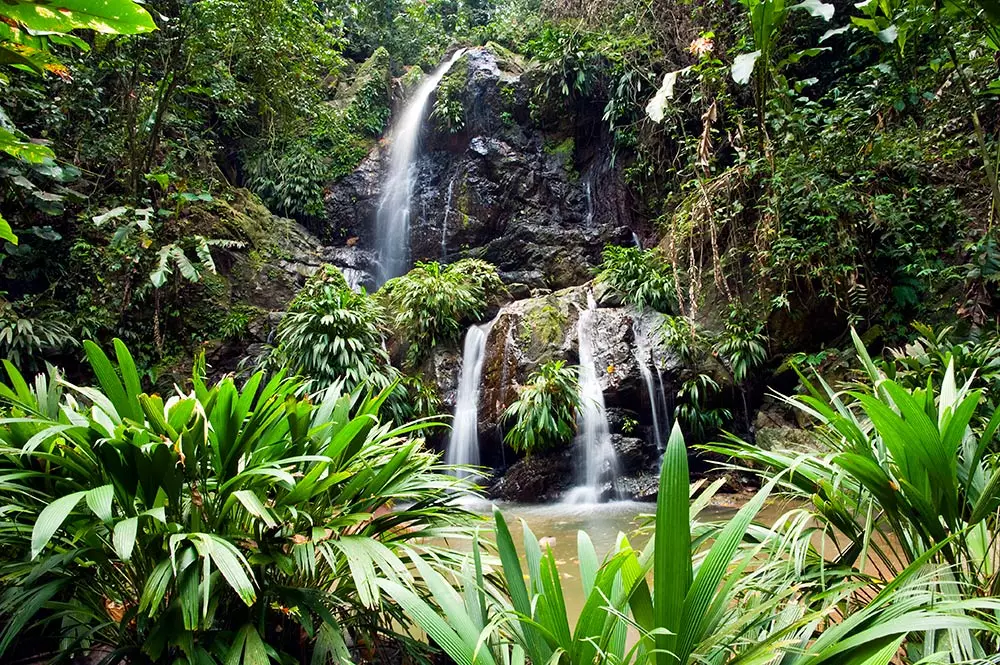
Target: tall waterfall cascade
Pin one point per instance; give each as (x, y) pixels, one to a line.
(393, 215)
(596, 455)
(463, 445)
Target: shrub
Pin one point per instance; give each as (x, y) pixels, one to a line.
(544, 414)
(29, 332)
(642, 277)
(431, 304)
(909, 457)
(330, 334)
(225, 524)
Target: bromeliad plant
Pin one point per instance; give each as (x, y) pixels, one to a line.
(229, 523)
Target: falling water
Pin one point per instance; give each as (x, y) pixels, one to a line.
(393, 216)
(636, 240)
(590, 205)
(447, 213)
(354, 278)
(594, 438)
(666, 409)
(644, 358)
(463, 446)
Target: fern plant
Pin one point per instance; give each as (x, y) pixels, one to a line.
(544, 414)
(642, 277)
(433, 303)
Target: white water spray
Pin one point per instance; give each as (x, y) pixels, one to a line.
(597, 456)
(393, 216)
(463, 445)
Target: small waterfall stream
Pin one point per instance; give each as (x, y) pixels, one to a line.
(597, 456)
(393, 216)
(463, 445)
(644, 358)
(447, 214)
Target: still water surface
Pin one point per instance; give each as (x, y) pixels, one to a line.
(559, 523)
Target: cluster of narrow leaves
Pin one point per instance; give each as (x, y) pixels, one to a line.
(432, 303)
(225, 524)
(544, 414)
(642, 277)
(726, 593)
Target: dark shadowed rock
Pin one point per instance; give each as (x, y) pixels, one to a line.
(535, 479)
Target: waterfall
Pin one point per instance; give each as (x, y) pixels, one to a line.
(636, 240)
(590, 205)
(393, 216)
(463, 445)
(644, 358)
(447, 213)
(597, 456)
(353, 277)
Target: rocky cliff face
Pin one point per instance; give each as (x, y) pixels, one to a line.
(539, 200)
(534, 330)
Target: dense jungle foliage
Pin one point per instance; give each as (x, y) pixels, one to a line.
(818, 184)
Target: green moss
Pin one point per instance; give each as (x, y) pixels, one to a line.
(449, 100)
(411, 78)
(563, 151)
(369, 109)
(544, 324)
(507, 60)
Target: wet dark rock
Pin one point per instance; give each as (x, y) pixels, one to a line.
(622, 421)
(642, 487)
(631, 453)
(442, 370)
(535, 479)
(535, 202)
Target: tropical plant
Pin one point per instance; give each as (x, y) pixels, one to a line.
(544, 414)
(725, 593)
(431, 304)
(229, 523)
(974, 360)
(642, 277)
(26, 34)
(767, 17)
(29, 332)
(900, 477)
(330, 334)
(698, 390)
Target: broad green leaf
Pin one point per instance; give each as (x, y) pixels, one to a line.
(105, 16)
(7, 233)
(51, 519)
(123, 537)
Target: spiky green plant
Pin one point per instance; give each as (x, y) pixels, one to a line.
(222, 524)
(432, 304)
(642, 277)
(724, 593)
(899, 477)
